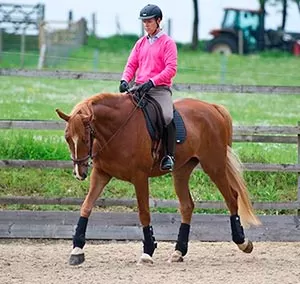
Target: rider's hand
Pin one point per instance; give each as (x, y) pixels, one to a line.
(124, 86)
(145, 88)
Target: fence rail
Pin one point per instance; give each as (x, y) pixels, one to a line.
(207, 88)
(126, 226)
(251, 167)
(241, 133)
(132, 203)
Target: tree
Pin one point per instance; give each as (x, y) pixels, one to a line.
(195, 38)
(284, 14)
(284, 4)
(261, 40)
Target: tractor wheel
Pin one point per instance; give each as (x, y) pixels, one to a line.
(222, 44)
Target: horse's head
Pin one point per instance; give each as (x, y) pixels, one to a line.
(79, 136)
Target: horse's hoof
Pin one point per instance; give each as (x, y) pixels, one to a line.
(176, 257)
(145, 259)
(246, 247)
(77, 256)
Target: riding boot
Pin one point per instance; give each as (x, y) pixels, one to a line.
(167, 162)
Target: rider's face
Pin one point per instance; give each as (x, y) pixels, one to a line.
(150, 25)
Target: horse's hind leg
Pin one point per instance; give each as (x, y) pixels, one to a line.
(98, 182)
(181, 183)
(217, 173)
(141, 185)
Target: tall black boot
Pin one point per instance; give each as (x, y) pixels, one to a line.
(167, 162)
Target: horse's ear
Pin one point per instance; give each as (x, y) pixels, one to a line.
(62, 115)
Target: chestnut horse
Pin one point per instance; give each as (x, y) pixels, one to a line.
(111, 130)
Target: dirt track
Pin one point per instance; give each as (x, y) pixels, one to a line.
(46, 262)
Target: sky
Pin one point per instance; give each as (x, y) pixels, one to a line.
(124, 13)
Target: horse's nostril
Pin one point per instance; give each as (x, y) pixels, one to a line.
(84, 175)
(74, 173)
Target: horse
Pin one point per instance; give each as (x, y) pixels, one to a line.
(110, 130)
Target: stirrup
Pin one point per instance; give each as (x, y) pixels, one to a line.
(167, 163)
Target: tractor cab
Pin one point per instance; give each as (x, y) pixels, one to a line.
(240, 30)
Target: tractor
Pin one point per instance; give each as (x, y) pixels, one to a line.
(243, 31)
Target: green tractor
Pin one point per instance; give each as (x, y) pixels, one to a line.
(243, 31)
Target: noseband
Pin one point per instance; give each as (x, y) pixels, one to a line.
(85, 160)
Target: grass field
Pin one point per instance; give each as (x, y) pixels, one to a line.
(26, 98)
(270, 68)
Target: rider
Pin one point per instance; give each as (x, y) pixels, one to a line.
(153, 62)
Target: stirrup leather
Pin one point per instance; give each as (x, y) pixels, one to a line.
(167, 163)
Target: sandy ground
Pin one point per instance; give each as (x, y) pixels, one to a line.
(46, 261)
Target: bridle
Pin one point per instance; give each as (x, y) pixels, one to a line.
(92, 135)
(85, 160)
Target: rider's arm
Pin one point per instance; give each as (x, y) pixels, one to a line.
(132, 64)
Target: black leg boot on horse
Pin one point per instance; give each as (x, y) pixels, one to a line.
(167, 162)
(238, 235)
(181, 247)
(77, 256)
(149, 246)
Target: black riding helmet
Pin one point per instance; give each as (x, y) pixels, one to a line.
(150, 11)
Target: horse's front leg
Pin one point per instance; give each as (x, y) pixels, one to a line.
(181, 183)
(97, 184)
(141, 185)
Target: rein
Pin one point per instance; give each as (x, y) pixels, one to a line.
(132, 90)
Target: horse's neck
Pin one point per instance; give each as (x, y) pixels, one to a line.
(112, 113)
(112, 106)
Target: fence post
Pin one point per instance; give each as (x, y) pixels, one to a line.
(96, 59)
(94, 24)
(240, 42)
(298, 152)
(70, 18)
(42, 57)
(169, 27)
(22, 48)
(1, 46)
(142, 29)
(223, 67)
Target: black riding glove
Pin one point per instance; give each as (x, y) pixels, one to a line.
(124, 86)
(145, 88)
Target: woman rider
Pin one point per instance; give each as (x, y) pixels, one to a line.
(153, 63)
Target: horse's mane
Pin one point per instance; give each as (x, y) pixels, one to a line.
(85, 109)
(85, 106)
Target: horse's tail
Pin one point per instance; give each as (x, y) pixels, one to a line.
(228, 122)
(235, 175)
(237, 183)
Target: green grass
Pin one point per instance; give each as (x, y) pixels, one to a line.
(30, 98)
(193, 66)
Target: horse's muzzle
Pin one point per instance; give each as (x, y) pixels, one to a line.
(79, 176)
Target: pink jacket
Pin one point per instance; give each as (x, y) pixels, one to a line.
(157, 61)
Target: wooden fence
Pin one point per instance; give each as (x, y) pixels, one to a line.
(109, 225)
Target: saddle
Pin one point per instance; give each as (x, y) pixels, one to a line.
(155, 121)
